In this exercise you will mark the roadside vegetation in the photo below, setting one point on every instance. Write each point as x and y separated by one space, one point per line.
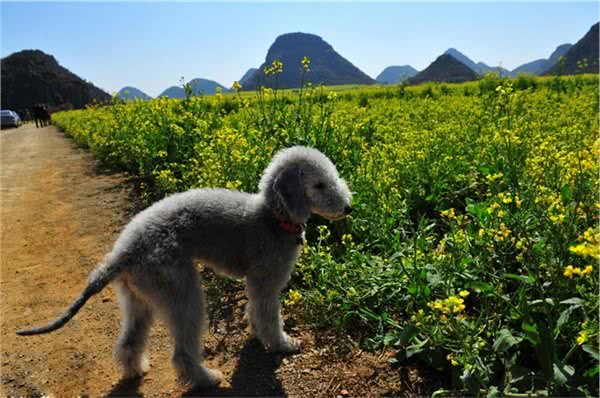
474 243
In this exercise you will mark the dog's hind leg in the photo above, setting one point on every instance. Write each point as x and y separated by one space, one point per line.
135 325
182 303
264 316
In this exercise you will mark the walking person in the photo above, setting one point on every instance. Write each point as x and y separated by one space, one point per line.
35 113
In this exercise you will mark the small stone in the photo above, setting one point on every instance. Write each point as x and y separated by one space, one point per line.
365 372
344 392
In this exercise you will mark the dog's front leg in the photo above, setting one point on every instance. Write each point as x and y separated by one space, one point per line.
264 315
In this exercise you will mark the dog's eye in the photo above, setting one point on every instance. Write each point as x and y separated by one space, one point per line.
319 185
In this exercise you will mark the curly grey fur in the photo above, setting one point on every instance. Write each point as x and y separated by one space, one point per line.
237 234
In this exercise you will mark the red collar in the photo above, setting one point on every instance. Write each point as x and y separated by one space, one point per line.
291 228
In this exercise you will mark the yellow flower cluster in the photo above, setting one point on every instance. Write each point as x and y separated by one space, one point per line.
590 246
294 296
448 213
306 63
582 338
452 360
570 271
275 68
347 240
451 305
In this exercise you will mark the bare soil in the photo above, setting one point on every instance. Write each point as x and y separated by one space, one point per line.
59 216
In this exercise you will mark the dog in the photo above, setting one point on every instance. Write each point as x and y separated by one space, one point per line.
255 236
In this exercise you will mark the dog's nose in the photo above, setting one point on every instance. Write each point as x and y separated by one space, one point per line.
347 210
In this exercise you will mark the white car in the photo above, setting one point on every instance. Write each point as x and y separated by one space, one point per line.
9 118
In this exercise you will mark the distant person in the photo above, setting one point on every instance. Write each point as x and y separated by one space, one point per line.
46 115
37 115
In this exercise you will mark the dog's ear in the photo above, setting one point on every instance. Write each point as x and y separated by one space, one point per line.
289 189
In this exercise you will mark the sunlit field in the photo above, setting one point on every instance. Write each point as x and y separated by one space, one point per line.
473 247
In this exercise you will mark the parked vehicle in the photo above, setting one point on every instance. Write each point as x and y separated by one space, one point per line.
9 118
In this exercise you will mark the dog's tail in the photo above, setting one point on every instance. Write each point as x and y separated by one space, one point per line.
98 281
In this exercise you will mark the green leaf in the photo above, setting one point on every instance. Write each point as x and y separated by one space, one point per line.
521 278
412 288
566 194
426 291
466 261
479 287
539 247
562 373
531 332
415 348
407 334
388 339
564 317
493 392
573 300
591 372
590 350
505 340
538 305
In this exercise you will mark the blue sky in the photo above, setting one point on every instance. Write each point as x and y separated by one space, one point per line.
152 45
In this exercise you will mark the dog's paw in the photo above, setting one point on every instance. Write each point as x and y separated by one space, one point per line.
288 345
208 378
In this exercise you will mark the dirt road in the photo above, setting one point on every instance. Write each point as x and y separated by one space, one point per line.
59 215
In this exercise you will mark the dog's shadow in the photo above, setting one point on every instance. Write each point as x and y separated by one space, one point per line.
254 376
126 388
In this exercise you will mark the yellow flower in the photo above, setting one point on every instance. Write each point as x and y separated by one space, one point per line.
569 270
448 213
519 244
293 297
494 177
463 293
518 202
584 250
451 359
237 86
492 207
347 240
500 213
306 63
582 338
587 270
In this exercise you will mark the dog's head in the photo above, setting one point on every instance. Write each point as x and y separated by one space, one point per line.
301 181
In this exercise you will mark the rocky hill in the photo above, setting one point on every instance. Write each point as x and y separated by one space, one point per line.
539 66
396 74
173 92
199 87
206 87
326 66
129 93
481 68
247 75
581 58
32 76
445 68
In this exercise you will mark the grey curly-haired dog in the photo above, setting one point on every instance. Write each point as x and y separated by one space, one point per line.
253 236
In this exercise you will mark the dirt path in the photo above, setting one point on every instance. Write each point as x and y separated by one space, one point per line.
58 218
